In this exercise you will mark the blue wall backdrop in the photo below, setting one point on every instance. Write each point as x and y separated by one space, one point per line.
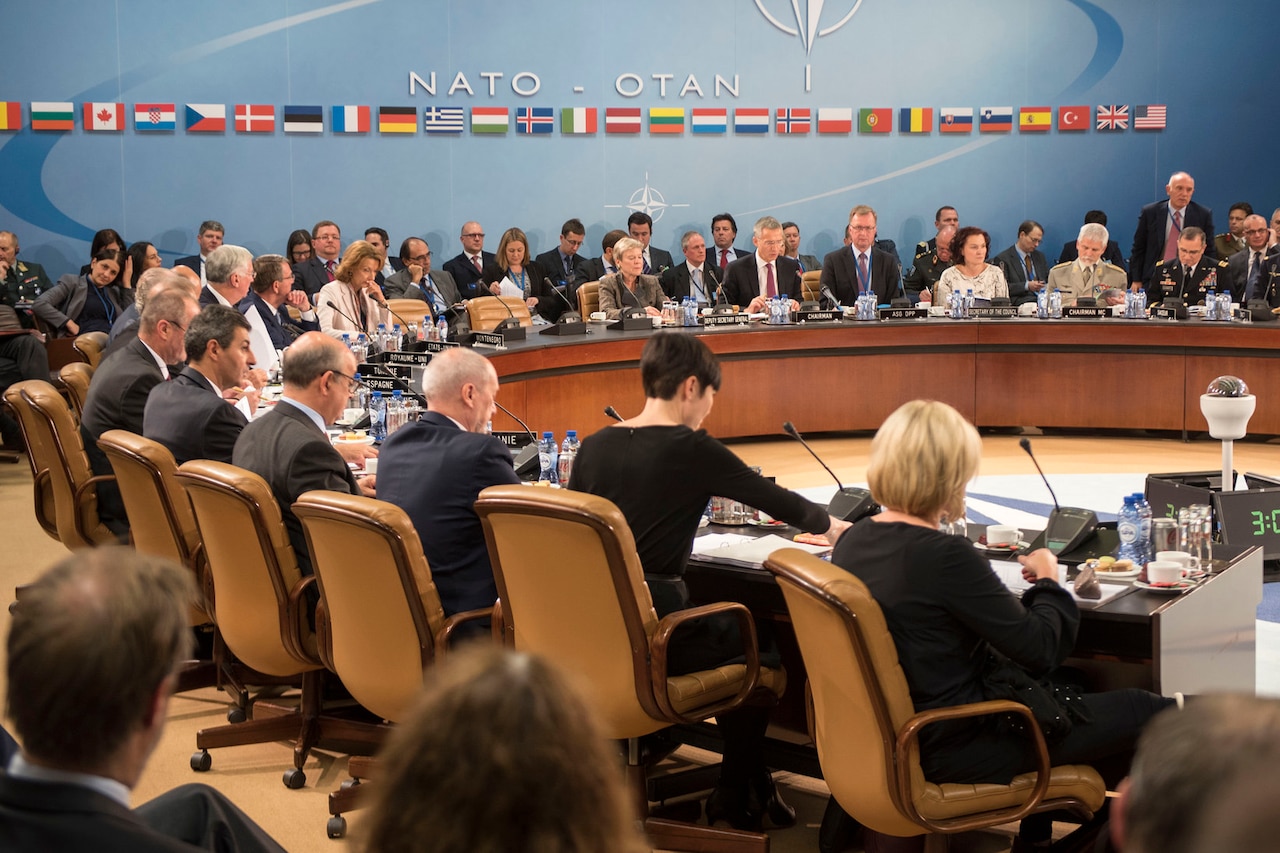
1207 64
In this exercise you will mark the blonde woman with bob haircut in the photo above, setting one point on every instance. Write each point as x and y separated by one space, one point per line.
501 755
959 631
353 301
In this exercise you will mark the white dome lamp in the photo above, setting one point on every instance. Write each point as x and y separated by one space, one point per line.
1227 405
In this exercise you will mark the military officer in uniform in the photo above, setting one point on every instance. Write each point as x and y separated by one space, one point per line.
21 356
946 216
1233 241
928 265
1088 275
1185 276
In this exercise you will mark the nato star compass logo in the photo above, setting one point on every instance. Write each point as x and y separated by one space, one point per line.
808 25
647 200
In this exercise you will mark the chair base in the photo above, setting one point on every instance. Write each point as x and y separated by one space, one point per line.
695 838
353 794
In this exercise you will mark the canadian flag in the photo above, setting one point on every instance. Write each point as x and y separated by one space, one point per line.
100 116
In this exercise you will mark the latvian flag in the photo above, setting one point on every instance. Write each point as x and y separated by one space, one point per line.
10 115
397 119
303 119
490 119
835 120
1113 117
350 118
442 120
255 118
52 115
206 118
955 120
578 120
666 120
750 121
154 117
535 120
98 116
915 120
794 120
709 120
622 120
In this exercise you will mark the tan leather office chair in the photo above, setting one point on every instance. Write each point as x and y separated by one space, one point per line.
90 346
260 609
811 285
579 598
588 298
486 312
412 310
66 491
866 728
383 620
75 378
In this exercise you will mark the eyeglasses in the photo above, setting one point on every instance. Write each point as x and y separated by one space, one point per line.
773 244
355 383
862 228
1255 230
178 326
421 259
467 236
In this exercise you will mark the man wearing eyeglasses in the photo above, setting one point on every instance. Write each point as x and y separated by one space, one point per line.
1248 268
418 281
318 270
468 266
861 267
753 279
564 263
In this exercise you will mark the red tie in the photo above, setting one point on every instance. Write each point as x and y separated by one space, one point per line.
863 273
476 263
1171 241
328 268
771 289
724 258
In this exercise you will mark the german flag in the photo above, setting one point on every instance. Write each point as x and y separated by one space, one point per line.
397 119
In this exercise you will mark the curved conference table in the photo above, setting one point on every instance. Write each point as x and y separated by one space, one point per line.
847 376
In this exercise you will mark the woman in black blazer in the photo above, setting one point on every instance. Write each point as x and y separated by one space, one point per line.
514 267
83 303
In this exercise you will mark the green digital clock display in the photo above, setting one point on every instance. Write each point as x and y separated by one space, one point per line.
1265 523
1249 518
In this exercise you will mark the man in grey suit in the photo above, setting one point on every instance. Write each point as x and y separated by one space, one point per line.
1088 275
791 234
192 414
1025 267
418 281
288 446
695 277
1248 279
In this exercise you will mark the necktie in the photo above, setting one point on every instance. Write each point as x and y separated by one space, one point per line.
328 268
697 284
1088 280
204 282
1253 276
475 262
771 288
1171 240
864 277
1031 270
724 258
648 270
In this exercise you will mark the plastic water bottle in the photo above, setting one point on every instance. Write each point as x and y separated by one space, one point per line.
1055 304
784 309
361 348
1128 526
346 341
968 303
442 329
1144 527
397 337
568 453
357 399
396 414
547 460
377 416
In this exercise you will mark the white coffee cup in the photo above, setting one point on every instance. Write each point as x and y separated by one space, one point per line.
371 465
1188 561
657 322
1062 574
1164 571
350 416
598 315
1003 534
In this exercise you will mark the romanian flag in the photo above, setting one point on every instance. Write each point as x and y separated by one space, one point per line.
10 115
666 120
52 115
835 120
103 116
955 120
579 120
397 119
915 120
1034 119
877 120
490 119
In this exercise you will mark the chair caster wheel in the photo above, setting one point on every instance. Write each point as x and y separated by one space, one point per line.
348 784
236 714
294 779
336 827
201 761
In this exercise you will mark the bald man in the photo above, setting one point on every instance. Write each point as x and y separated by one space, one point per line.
1161 223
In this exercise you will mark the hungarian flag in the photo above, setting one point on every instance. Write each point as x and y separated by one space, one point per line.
1034 119
100 116
622 120
875 120
1074 118
578 120
206 118
304 119
490 119
915 120
794 120
835 120
52 115
397 119
152 117
955 120
10 115
255 118
349 118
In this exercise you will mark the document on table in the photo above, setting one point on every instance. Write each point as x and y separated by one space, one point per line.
1011 575
735 549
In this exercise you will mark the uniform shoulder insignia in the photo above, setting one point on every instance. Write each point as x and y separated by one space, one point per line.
1161 263
1222 236
1116 267
22 267
1222 264
1063 264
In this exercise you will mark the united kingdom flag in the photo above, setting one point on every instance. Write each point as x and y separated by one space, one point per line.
1113 117
794 120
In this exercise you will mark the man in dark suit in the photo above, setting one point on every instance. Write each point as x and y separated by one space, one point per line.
468 267
105 629
640 227
563 264
1159 225
228 275
272 328
791 233
288 446
597 268
435 469
380 240
118 393
1025 267
417 280
209 237
862 267
695 277
318 270
1246 268
1112 255
724 230
1185 277
190 415
752 279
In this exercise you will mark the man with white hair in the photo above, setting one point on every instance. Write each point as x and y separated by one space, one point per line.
228 272
1088 275
434 470
1160 225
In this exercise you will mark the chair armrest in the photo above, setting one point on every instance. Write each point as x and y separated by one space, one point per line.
92 482
658 659
910 733
498 627
297 619
324 637
445 634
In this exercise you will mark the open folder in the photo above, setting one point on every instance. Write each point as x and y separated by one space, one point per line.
735 549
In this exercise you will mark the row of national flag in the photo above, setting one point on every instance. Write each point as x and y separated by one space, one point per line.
262 118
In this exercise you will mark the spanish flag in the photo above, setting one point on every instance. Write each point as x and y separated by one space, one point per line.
1032 119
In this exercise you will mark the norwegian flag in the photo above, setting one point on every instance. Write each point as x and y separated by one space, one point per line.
794 120
1113 117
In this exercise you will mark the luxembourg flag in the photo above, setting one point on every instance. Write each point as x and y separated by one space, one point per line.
154 117
350 118
709 120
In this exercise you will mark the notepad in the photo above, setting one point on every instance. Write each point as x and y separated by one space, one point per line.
735 549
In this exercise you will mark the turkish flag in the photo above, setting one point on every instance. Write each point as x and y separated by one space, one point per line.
1074 118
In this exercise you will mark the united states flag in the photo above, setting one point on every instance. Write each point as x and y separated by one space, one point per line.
1149 117
1113 117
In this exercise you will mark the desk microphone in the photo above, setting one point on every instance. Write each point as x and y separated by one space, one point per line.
1068 526
720 294
849 503
346 316
526 458
572 316
613 413
399 382
402 320
827 293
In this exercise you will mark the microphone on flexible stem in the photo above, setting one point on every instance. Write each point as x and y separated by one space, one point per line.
402 320
572 316
399 383
720 295
1066 527
827 292
510 328
849 503
613 413
526 458
345 315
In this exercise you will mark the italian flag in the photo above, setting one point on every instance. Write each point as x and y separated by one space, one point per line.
578 120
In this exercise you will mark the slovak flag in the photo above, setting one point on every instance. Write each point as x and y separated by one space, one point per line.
99 116
255 118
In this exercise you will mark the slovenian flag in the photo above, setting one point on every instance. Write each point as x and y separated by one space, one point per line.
206 118
151 117
995 120
350 118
